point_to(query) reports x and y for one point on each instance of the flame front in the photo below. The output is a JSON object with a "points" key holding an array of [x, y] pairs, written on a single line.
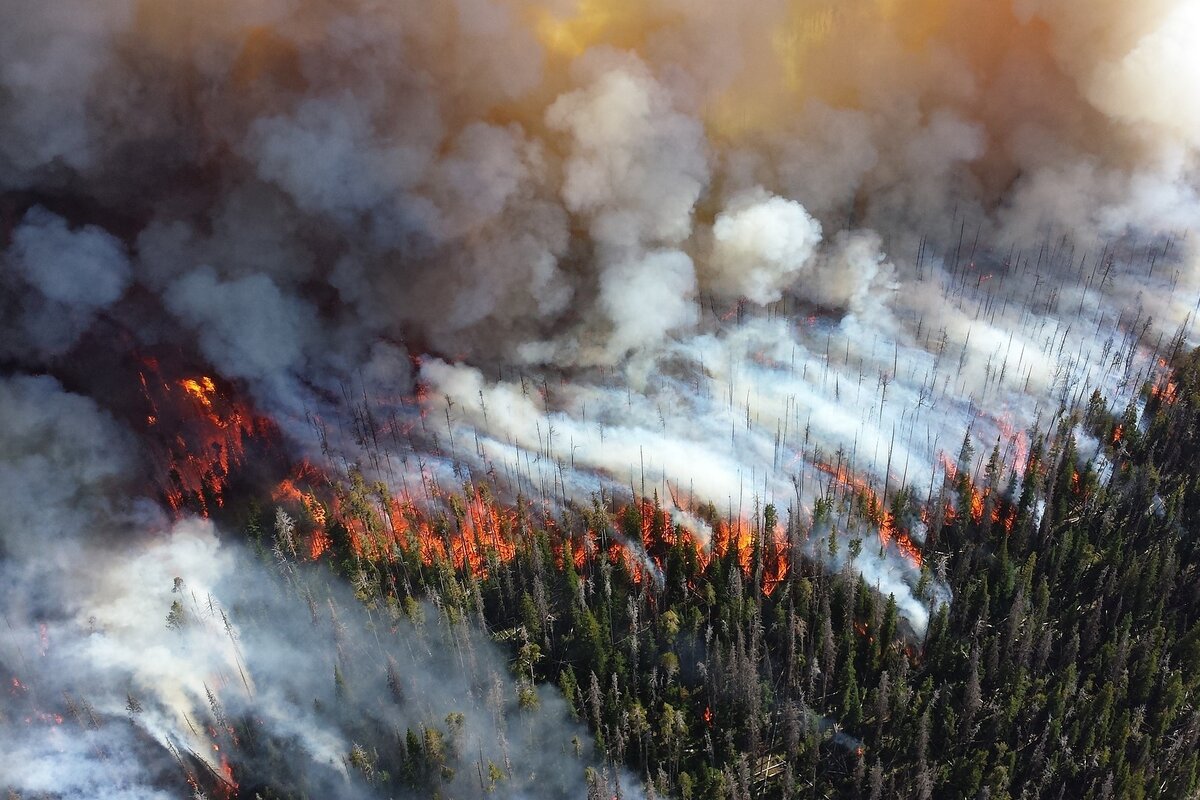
{"points": [[198, 432], [889, 533]]}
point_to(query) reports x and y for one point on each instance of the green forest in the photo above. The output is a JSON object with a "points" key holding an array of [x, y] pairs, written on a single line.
{"points": [[1064, 666]]}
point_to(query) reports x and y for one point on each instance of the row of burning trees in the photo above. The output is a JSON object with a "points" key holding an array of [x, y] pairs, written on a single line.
{"points": [[471, 530], [207, 435], [470, 527]]}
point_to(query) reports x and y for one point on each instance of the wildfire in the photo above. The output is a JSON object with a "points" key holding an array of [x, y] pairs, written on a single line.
{"points": [[19, 689], [472, 531], [1007, 519], [978, 500], [1018, 440], [581, 552], [44, 718], [199, 434], [297, 490], [319, 544], [776, 569], [227, 775], [1165, 391], [889, 532], [479, 530], [949, 466], [482, 529], [734, 536], [976, 504], [202, 389], [619, 554]]}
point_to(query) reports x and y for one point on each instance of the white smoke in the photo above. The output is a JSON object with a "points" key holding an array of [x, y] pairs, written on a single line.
{"points": [[943, 217], [761, 246], [101, 686]]}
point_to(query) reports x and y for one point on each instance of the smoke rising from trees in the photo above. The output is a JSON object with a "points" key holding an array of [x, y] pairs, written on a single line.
{"points": [[708, 249]]}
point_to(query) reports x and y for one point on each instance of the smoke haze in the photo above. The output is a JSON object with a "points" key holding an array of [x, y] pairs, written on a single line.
{"points": [[715, 250]]}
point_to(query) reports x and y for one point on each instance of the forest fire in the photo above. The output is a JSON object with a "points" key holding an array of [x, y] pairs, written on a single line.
{"points": [[474, 528], [1165, 391], [205, 440], [227, 776], [1017, 443], [889, 532], [468, 530], [1162, 385], [734, 536], [18, 689], [976, 501], [297, 491], [44, 718], [199, 435], [203, 390], [410, 308]]}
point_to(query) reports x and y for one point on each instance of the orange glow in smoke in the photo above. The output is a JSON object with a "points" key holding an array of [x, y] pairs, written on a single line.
{"points": [[227, 774]]}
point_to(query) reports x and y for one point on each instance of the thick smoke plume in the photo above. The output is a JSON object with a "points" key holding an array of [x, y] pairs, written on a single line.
{"points": [[730, 253], [280, 669]]}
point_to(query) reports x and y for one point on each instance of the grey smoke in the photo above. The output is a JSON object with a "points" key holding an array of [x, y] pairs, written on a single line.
{"points": [[90, 573], [58, 279], [718, 246]]}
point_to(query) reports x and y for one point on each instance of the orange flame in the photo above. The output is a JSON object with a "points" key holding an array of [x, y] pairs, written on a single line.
{"points": [[1165, 391], [734, 536], [202, 389], [889, 532], [199, 436], [483, 529], [1019, 440], [978, 499], [976, 504], [227, 774]]}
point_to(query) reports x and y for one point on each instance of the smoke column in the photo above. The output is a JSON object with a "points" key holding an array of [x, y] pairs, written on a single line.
{"points": [[718, 251]]}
